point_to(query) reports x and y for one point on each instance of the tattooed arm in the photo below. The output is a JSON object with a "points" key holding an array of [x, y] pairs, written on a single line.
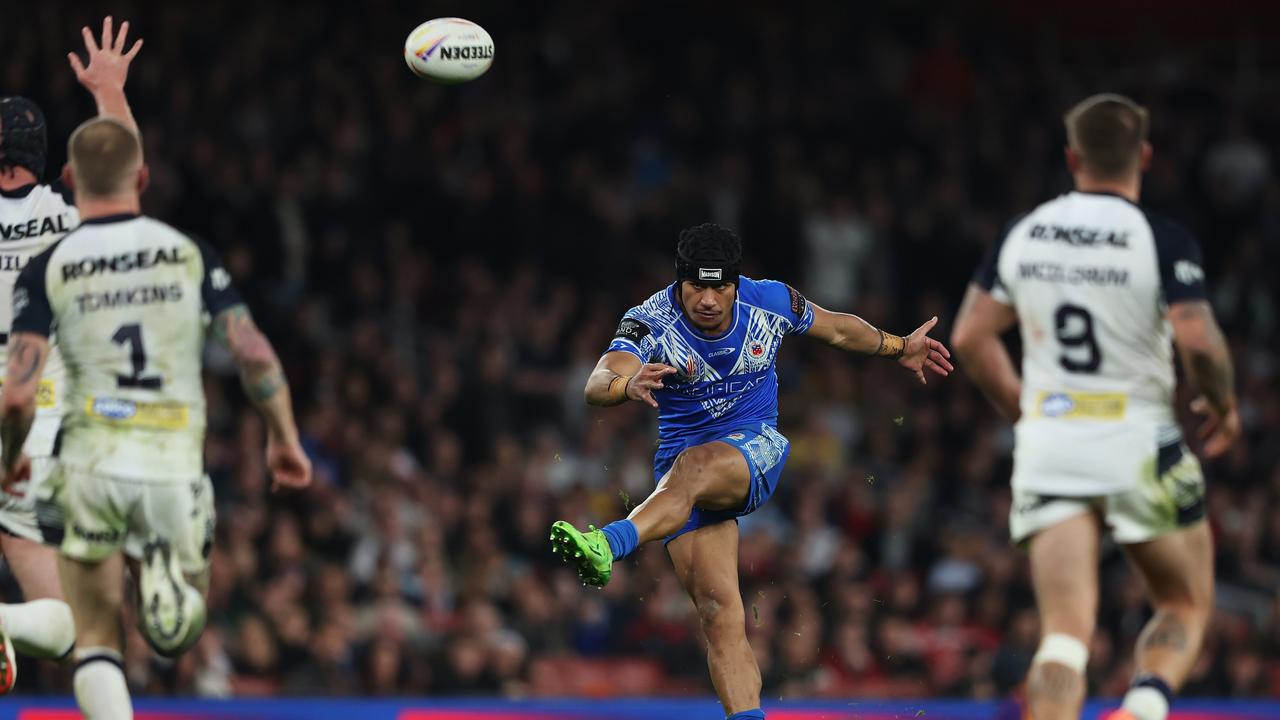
{"points": [[264, 382], [27, 355], [1207, 360]]}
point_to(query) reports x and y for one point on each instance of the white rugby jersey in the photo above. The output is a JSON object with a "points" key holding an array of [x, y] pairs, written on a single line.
{"points": [[129, 297], [1091, 276], [32, 218]]}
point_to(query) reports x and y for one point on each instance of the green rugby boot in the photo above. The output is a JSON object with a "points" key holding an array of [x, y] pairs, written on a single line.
{"points": [[590, 553]]}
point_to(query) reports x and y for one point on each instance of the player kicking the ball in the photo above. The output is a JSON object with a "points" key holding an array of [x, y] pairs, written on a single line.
{"points": [[130, 298], [33, 217], [702, 352], [1099, 287]]}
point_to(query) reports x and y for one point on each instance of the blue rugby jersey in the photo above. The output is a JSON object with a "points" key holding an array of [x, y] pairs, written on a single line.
{"points": [[724, 382]]}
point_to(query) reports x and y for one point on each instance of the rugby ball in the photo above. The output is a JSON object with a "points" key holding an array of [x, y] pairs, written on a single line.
{"points": [[448, 50]]}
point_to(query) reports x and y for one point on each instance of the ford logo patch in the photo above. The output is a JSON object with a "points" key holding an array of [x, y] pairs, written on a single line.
{"points": [[1057, 405]]}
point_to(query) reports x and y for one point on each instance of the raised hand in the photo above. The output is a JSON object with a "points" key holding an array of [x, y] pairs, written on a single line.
{"points": [[924, 353], [109, 64], [641, 386]]}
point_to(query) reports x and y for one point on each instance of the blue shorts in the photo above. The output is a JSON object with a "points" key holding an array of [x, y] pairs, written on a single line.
{"points": [[765, 450]]}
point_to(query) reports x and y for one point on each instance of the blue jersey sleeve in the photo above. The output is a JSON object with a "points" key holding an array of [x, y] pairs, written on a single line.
{"points": [[636, 334], [786, 302]]}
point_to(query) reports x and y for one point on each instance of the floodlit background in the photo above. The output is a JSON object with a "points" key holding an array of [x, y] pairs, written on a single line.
{"points": [[441, 266]]}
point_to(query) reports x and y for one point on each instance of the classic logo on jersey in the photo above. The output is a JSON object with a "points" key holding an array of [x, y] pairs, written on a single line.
{"points": [[1082, 236], [722, 352], [1187, 272], [632, 330], [124, 262], [34, 228], [716, 274]]}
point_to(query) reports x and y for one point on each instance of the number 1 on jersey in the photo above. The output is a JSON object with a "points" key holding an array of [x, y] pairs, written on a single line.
{"points": [[131, 335]]}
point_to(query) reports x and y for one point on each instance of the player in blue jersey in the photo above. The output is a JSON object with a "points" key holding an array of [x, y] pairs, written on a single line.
{"points": [[702, 352]]}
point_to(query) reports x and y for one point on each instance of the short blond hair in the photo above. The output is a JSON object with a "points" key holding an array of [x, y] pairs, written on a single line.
{"points": [[105, 156], [1107, 131]]}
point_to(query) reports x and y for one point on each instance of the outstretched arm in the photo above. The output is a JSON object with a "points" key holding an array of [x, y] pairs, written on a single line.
{"points": [[264, 382], [107, 71], [27, 355], [976, 337], [916, 352], [1207, 361]]}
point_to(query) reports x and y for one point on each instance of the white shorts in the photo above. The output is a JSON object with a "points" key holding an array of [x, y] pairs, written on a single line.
{"points": [[18, 515], [1170, 498], [103, 514]]}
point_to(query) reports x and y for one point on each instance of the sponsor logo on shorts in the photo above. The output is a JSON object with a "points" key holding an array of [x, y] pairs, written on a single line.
{"points": [[737, 436], [95, 537]]}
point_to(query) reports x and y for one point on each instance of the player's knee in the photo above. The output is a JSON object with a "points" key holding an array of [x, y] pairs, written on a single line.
{"points": [[720, 619]]}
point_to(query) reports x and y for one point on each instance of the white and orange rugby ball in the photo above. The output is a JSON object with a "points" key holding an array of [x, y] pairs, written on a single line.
{"points": [[448, 50]]}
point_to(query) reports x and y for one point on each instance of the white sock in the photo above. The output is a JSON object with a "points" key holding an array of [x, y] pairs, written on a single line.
{"points": [[100, 687], [43, 628], [1146, 703]]}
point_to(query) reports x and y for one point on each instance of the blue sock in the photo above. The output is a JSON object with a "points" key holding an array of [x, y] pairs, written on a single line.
{"points": [[756, 714], [622, 537]]}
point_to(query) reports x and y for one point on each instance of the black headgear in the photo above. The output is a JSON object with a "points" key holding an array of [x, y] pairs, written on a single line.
{"points": [[24, 138], [708, 254]]}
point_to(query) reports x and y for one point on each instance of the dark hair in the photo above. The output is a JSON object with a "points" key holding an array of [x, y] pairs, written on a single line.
{"points": [[23, 135], [1107, 131], [708, 246]]}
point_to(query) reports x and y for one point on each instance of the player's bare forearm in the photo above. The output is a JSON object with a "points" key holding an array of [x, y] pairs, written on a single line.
{"points": [[850, 333], [597, 390], [621, 376], [1204, 351], [260, 372], [606, 386], [27, 356], [112, 103], [976, 339], [991, 368]]}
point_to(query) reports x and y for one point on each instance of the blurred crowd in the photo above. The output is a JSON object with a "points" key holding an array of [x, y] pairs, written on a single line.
{"points": [[440, 267]]}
